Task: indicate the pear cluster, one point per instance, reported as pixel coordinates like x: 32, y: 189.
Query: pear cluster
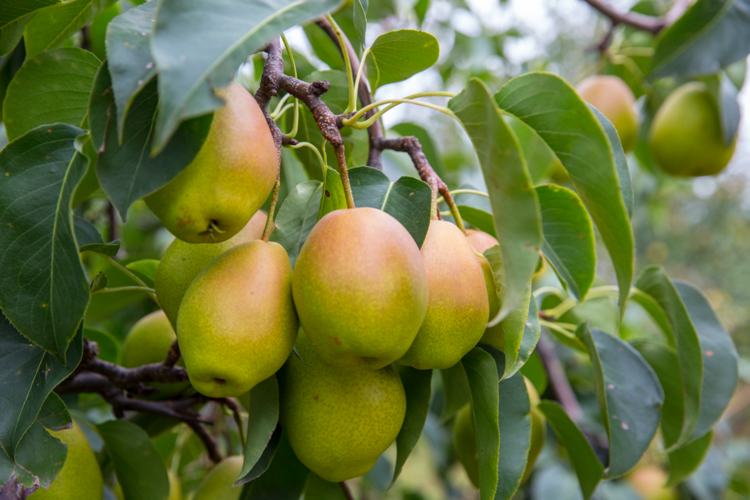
x: 362, y: 299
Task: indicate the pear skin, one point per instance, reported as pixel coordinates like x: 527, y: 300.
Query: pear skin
x: 649, y: 481
x: 80, y: 477
x: 612, y: 96
x: 148, y: 341
x: 229, y: 179
x: 218, y: 483
x: 458, y: 305
x: 482, y: 241
x: 360, y: 288
x: 338, y: 421
x: 685, y: 136
x: 237, y: 323
x: 183, y: 261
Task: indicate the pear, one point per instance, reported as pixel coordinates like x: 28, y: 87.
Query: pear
x: 458, y: 305
x: 213, y: 198
x: 237, y: 322
x: 338, y: 421
x: 360, y: 288
x: 218, y: 483
x: 80, y: 477
x: 615, y: 100
x: 481, y: 241
x: 183, y: 261
x: 148, y: 341
x: 685, y: 136
x: 649, y: 481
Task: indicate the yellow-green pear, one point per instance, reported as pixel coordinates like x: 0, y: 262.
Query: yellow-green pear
x: 649, y: 481
x: 183, y: 261
x: 685, y: 136
x: 360, y: 288
x: 80, y: 477
x: 612, y: 96
x: 148, y: 341
x: 465, y: 443
x: 481, y: 241
x: 228, y: 180
x: 458, y: 304
x: 237, y: 323
x: 218, y: 483
x: 338, y: 421
x: 538, y: 430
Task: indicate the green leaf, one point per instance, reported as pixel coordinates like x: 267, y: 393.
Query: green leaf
x: 587, y: 466
x: 297, y: 216
x: 109, y: 347
x: 139, y: 468
x: 552, y: 108
x: 89, y: 239
x: 568, y: 238
x: 145, y: 269
x: 333, y: 197
x: 655, y: 282
x: 43, y: 288
x: 724, y: 93
x: 52, y: 87
x: 284, y: 480
x: 52, y: 26
x: 407, y: 200
x: 13, y: 10
x: 38, y: 459
x: 198, y: 46
x: 515, y: 433
x: 478, y: 219
x: 531, y: 332
x: 418, y: 390
x: 630, y: 398
x: 54, y: 414
x: 318, y: 488
x: 432, y: 154
x: 621, y: 162
x: 27, y: 376
x: 126, y: 171
x: 720, y: 360
x: 540, y: 159
x: 481, y: 372
x: 398, y: 55
x: 11, y: 33
x: 686, y: 460
x: 9, y: 66
x: 512, y: 196
x: 261, y: 466
x: 360, y: 17
x: 323, y: 47
x: 456, y: 389
x: 711, y: 35
x: 131, y: 64
x: 262, y: 419
x: 534, y: 370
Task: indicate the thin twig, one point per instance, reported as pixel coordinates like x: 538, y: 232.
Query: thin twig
x: 173, y: 355
x: 208, y: 441
x: 646, y: 23
x: 558, y: 380
x: 347, y: 492
x: 234, y: 406
x: 268, y: 229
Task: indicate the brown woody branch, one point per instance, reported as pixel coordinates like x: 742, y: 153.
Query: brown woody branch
x: 208, y: 440
x: 646, y: 23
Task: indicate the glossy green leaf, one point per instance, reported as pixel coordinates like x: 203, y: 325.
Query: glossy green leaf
x: 38, y: 459
x: 456, y: 390
x: 263, y: 415
x: 13, y: 10
x: 686, y: 460
x: 131, y: 64
x: 397, y: 55
x: 540, y: 159
x: 630, y: 398
x: 296, y: 217
x: 531, y: 332
x: 89, y: 239
x: 323, y: 47
x: 54, y: 414
x: 720, y: 360
x: 360, y: 17
x: 552, y: 108
x: 27, y: 376
x: 512, y: 196
x: 418, y: 390
x: 587, y: 466
x: 127, y: 172
x: 478, y: 219
x: 52, y: 26
x: 9, y: 66
x: 52, y: 87
x: 198, y: 46
x: 144, y: 269
x: 431, y: 152
x: 261, y: 466
x: 318, y: 488
x: 481, y: 372
x: 11, y: 33
x: 534, y: 370
x: 43, y: 288
x: 285, y: 478
x: 711, y: 35
x: 568, y: 238
x: 333, y: 197
x: 621, y: 162
x: 407, y: 200
x: 515, y: 435
x: 139, y: 468
x: 655, y: 282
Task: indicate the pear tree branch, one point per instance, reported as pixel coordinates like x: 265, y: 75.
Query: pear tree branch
x: 646, y: 23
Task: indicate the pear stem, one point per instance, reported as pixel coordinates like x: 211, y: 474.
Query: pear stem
x: 272, y: 209
x: 344, y: 173
x: 454, y: 210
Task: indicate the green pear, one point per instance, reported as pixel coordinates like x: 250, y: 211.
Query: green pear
x: 183, y: 261
x: 458, y: 305
x: 148, y: 341
x: 649, y: 481
x: 218, y: 483
x: 237, y: 322
x: 228, y: 180
x: 80, y: 477
x: 338, y: 421
x: 685, y: 136
x: 360, y: 288
x: 615, y: 100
